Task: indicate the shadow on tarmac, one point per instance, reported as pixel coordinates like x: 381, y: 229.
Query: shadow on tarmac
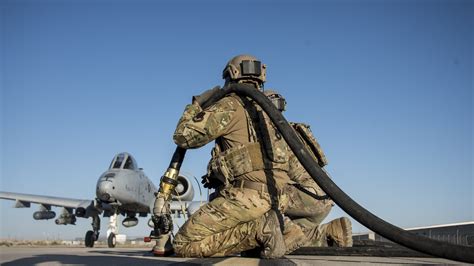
x: 84, y: 260
x: 133, y: 258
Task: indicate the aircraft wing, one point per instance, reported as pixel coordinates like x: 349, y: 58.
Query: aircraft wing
x: 24, y: 200
x: 188, y: 207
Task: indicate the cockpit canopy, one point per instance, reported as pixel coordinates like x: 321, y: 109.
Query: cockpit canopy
x: 124, y: 161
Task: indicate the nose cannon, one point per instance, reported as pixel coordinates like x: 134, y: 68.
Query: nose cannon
x: 105, y: 190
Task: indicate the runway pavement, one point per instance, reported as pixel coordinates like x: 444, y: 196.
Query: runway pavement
x: 141, y: 256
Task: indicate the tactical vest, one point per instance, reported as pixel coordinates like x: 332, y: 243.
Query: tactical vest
x: 307, y: 138
x: 266, y: 150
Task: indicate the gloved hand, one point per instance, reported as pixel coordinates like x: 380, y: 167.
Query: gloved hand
x: 208, y: 182
x: 162, y: 224
x: 160, y: 206
x: 161, y: 217
x: 203, y: 97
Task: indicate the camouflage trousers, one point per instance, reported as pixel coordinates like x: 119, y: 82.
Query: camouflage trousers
x: 226, y: 225
x: 308, y: 212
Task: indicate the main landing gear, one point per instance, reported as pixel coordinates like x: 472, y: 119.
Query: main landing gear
x: 93, y: 235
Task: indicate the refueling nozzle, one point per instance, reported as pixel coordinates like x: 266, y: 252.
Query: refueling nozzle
x: 161, y: 211
x: 162, y: 222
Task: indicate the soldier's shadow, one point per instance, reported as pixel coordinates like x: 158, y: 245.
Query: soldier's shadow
x: 230, y: 260
x: 57, y: 259
x: 118, y: 257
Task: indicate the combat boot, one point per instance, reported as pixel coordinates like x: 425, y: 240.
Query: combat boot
x: 315, y: 236
x: 163, y: 247
x: 270, y: 237
x: 339, y: 232
x: 293, y: 236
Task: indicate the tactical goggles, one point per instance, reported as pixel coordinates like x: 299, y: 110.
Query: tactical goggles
x: 251, y: 68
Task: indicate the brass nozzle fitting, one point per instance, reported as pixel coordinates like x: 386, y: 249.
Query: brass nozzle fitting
x: 168, y: 182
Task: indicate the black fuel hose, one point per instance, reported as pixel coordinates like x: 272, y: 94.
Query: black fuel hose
x: 356, y: 211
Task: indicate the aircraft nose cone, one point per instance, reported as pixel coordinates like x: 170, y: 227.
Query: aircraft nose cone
x: 105, y: 196
x: 104, y: 191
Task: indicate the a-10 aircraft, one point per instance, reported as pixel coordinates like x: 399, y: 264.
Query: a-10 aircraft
x: 122, y: 189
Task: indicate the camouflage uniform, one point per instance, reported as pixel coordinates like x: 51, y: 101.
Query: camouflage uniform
x: 304, y: 210
x: 309, y: 211
x: 252, y: 161
x: 230, y: 222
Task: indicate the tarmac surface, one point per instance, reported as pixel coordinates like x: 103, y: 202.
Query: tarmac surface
x: 142, y: 256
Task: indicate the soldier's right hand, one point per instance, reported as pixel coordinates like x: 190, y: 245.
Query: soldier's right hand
x: 159, y: 207
x: 162, y: 224
x: 208, y: 182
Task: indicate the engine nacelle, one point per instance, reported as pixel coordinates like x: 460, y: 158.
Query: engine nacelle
x: 184, y: 189
x: 44, y: 215
x: 130, y: 222
x: 70, y: 219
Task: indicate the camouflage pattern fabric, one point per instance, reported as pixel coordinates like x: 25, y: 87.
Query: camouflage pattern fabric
x: 227, y: 123
x: 228, y: 224
x: 304, y: 210
x: 196, y: 127
x: 308, y: 213
x: 224, y: 226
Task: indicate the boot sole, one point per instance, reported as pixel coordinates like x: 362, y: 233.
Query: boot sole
x: 163, y: 253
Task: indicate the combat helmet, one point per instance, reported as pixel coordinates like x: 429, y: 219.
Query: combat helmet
x: 245, y: 67
x: 276, y: 98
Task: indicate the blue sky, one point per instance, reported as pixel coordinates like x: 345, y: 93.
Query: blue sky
x: 386, y: 86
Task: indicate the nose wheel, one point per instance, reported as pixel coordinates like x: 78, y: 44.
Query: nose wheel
x: 112, y: 230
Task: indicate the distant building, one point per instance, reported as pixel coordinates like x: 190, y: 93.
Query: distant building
x: 457, y: 233
x: 121, y: 239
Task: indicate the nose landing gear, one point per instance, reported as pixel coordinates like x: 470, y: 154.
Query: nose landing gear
x: 112, y: 230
